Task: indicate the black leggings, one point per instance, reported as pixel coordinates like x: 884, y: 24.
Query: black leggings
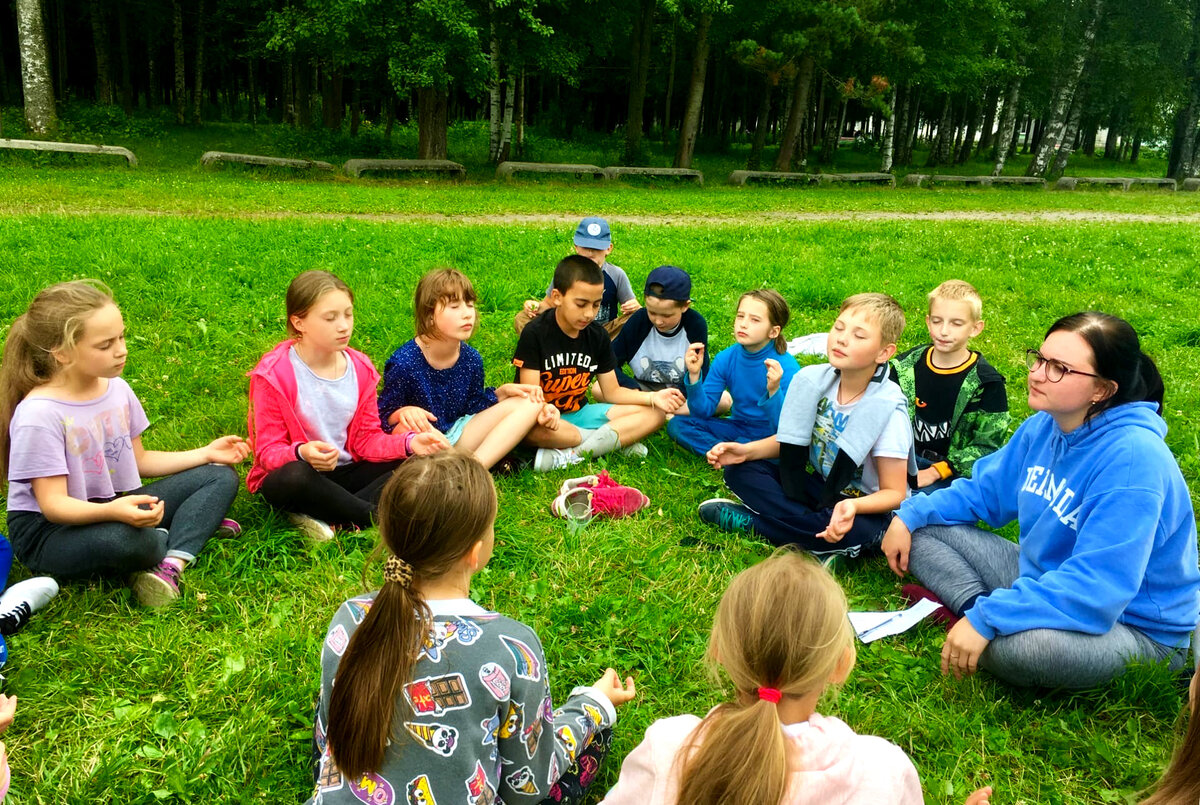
x: 345, y: 495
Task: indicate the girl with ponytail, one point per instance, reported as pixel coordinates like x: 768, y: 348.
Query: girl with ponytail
x: 782, y: 637
x: 425, y: 694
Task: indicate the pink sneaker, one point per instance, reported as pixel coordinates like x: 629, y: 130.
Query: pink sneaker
x: 228, y: 529
x: 582, y: 499
x: 158, y: 586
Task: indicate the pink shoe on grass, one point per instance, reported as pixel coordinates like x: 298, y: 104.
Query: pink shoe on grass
x: 581, y: 499
x: 228, y: 529
x: 158, y: 586
x: 912, y: 593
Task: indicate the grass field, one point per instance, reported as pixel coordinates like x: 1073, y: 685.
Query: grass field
x: 211, y: 700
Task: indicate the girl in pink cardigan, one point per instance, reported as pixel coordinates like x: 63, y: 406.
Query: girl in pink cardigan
x: 782, y: 636
x: 319, y: 452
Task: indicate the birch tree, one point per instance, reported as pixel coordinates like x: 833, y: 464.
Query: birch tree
x: 40, y: 116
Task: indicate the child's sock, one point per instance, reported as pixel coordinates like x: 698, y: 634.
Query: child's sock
x: 600, y: 442
x: 177, y: 561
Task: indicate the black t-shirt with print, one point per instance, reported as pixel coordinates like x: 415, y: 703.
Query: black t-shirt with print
x: 936, y: 395
x: 565, y: 365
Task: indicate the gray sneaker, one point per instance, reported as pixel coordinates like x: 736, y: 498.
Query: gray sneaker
x: 548, y: 459
x: 635, y: 450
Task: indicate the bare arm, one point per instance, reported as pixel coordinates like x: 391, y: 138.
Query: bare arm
x: 59, y: 507
x: 159, y: 463
x: 666, y: 400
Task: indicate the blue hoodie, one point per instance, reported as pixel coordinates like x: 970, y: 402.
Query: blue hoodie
x: 1107, y: 529
x: 744, y: 374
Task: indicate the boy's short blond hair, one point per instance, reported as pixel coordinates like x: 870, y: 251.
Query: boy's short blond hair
x: 884, y: 309
x: 959, y: 291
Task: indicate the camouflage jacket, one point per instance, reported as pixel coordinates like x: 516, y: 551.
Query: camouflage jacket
x: 980, y: 422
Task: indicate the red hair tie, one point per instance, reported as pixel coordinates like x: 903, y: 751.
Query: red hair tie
x: 772, y: 695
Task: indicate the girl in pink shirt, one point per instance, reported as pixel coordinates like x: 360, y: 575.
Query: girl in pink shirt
x: 782, y: 636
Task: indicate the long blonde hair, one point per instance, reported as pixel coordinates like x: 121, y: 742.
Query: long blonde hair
x: 52, y: 323
x: 1180, y: 783
x: 431, y: 512
x: 781, y: 624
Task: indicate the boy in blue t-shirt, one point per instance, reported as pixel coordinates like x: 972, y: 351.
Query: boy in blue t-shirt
x: 593, y: 240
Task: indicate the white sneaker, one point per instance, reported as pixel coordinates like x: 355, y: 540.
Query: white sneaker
x: 311, y: 528
x: 548, y: 459
x: 22, y: 600
x: 635, y: 450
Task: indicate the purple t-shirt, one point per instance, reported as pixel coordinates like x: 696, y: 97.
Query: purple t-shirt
x: 89, y: 442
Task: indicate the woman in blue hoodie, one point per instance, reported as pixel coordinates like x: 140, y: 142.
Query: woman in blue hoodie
x: 1106, y: 570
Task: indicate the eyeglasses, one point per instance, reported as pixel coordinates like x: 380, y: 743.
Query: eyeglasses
x: 1055, y: 370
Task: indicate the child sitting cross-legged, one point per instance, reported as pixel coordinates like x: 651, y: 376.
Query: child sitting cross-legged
x: 782, y: 637
x: 436, y: 698
x: 436, y: 381
x: 561, y: 351
x: 844, y: 445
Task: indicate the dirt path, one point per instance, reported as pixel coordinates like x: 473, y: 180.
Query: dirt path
x: 733, y: 219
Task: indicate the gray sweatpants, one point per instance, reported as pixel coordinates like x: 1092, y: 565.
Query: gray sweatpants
x: 960, y: 562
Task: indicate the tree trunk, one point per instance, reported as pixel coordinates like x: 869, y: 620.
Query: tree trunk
x: 988, y: 130
x: 180, y: 64
x: 1137, y: 147
x: 691, y: 114
x: 1110, y: 137
x: 797, y: 113
x: 1056, y: 124
x: 252, y: 91
x: 389, y: 115
x: 495, y: 90
x: 974, y: 120
x: 60, y: 36
x: 1068, y: 142
x: 1006, y: 134
x: 760, y: 127
x: 889, y: 135
x: 333, y: 106
x: 1088, y: 138
x: 198, y: 75
x: 506, y: 123
x: 833, y: 135
x: 104, y: 89
x: 666, y: 124
x: 40, y: 116
x: 639, y: 74
x: 938, y: 149
x: 355, y: 106
x: 126, y: 68
x: 304, y: 89
x: 432, y: 105
x: 1182, y: 152
x: 520, y: 114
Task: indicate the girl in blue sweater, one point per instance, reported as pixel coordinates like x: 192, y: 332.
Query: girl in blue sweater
x: 755, y: 371
x: 1106, y: 569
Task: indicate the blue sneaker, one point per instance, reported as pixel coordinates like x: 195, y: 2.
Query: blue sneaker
x: 727, y: 515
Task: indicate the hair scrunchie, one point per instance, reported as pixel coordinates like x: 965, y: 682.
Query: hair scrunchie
x: 772, y: 695
x: 398, y: 571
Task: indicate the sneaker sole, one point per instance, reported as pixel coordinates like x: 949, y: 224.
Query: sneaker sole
x: 151, y: 591
x: 312, y: 529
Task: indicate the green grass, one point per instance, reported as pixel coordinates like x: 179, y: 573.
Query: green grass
x: 211, y: 699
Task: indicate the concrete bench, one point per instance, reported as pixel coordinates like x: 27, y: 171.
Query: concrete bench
x: 507, y: 170
x: 71, y: 148
x: 1125, y: 183
x: 684, y: 174
x: 357, y: 167
x: 218, y: 157
x: 758, y: 177
x: 1190, y: 186
x: 929, y: 180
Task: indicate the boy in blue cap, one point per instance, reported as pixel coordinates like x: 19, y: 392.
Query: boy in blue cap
x: 593, y: 240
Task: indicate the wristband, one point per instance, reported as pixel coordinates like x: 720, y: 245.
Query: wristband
x: 408, y: 437
x: 943, y: 469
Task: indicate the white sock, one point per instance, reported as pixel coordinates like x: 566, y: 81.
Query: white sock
x: 600, y: 442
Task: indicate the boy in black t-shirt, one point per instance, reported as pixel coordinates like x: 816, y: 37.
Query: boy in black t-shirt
x: 561, y: 351
x: 956, y: 399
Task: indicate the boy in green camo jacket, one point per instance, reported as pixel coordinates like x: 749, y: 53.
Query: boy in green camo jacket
x: 956, y: 399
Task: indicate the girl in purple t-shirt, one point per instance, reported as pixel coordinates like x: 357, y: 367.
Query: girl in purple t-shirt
x: 71, y: 446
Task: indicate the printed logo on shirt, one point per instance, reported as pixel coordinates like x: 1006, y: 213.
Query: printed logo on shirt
x: 465, y: 632
x: 528, y: 665
x: 419, y: 792
x: 435, y: 695
x: 437, y: 738
x: 107, y: 432
x: 479, y: 790
x: 566, y: 388
x: 522, y: 780
x: 373, y: 790
x: 1042, y: 482
x: 495, y: 680
x: 513, y: 721
x: 338, y: 640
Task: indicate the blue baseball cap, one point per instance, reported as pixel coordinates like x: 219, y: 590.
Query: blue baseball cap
x: 593, y: 233
x: 675, y: 282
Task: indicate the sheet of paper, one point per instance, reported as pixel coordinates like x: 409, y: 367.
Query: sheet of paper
x: 874, y: 625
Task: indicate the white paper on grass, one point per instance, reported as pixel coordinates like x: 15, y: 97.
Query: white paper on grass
x: 874, y: 625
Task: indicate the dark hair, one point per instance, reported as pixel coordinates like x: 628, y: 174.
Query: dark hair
x: 306, y: 289
x: 1180, y: 783
x: 431, y: 512
x: 1117, y: 356
x: 576, y: 268
x: 442, y: 286
x: 777, y: 312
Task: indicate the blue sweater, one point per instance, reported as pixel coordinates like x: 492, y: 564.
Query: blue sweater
x: 742, y: 372
x: 1107, y: 529
x: 448, y: 394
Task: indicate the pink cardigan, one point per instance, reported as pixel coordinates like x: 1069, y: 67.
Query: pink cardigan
x: 832, y: 765
x: 276, y: 430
